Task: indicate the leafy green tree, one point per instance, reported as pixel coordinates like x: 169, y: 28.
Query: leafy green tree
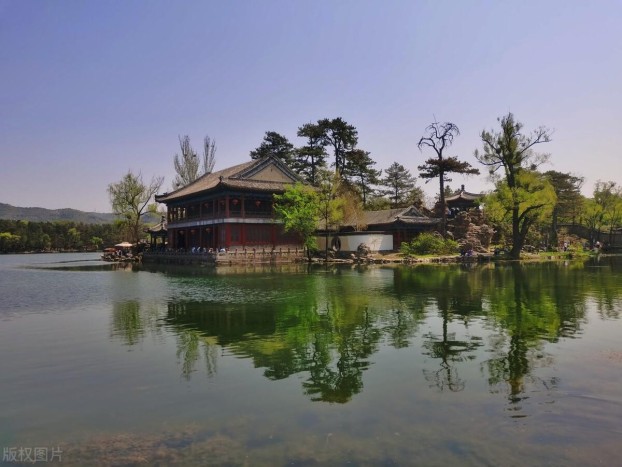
x: 352, y: 208
x: 274, y: 144
x: 532, y: 200
x: 399, y: 184
x: 449, y: 191
x: 45, y: 242
x: 9, y: 242
x: 331, y: 202
x: 513, y: 151
x: 96, y: 242
x: 439, y: 137
x: 359, y: 172
x: 415, y: 197
x: 311, y: 157
x: 342, y: 137
x: 377, y: 202
x: 608, y: 195
x: 569, y: 199
x: 592, y: 216
x: 74, y: 238
x: 130, y: 199
x: 299, y: 209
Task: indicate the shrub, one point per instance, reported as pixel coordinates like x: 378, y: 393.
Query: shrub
x: 430, y: 244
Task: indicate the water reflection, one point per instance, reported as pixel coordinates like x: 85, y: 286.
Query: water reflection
x: 132, y: 320
x: 328, y: 326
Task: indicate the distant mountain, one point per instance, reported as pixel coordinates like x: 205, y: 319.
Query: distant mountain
x: 50, y: 215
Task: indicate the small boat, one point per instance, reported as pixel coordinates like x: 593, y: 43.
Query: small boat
x: 119, y: 254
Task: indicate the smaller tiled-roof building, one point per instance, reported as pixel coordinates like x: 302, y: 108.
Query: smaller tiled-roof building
x: 230, y: 208
x: 402, y: 223
x: 462, y: 201
x: 158, y: 234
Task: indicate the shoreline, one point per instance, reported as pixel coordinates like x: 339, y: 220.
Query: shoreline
x: 298, y: 257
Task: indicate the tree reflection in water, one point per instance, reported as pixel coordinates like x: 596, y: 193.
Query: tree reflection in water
x: 329, y: 325
x: 132, y: 320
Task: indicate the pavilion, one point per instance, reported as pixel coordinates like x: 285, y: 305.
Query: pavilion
x: 230, y: 208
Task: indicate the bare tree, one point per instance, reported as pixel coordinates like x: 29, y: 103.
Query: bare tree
x: 187, y: 164
x: 440, y: 136
x: 209, y: 154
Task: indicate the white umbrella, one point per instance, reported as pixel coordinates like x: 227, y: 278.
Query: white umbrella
x: 124, y: 245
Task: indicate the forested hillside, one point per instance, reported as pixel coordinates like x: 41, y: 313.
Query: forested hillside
x: 20, y: 236
x: 50, y: 215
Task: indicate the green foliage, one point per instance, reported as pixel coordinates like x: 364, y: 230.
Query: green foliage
x: 359, y: 172
x: 399, y: 184
x: 52, y: 215
x: 21, y: 236
x: 96, y: 242
x: 276, y: 145
x: 532, y: 199
x: 430, y: 244
x: 130, y: 199
x: 299, y: 209
x: 342, y: 136
x: 439, y: 137
x: 74, y: 237
x: 378, y: 203
x: 331, y: 199
x: 516, y: 194
x: 608, y: 195
x: 9, y: 243
x: 310, y: 158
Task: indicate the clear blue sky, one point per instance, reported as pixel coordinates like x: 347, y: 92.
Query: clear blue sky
x: 90, y: 89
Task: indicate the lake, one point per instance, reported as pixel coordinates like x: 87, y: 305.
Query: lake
x: 492, y: 364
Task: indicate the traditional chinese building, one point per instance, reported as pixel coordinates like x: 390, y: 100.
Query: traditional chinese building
x: 158, y: 235
x: 462, y: 201
x: 384, y: 230
x: 231, y: 208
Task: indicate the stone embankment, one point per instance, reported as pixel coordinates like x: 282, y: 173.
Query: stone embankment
x: 229, y: 257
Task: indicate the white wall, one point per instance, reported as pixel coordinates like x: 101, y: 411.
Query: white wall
x: 351, y: 241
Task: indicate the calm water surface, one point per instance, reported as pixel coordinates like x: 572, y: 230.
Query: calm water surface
x: 429, y: 365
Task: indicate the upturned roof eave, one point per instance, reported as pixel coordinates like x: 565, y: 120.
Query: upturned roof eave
x: 223, y: 185
x: 234, y: 173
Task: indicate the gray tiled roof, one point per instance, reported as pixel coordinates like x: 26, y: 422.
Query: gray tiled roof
x: 409, y: 215
x: 232, y: 177
x: 465, y: 195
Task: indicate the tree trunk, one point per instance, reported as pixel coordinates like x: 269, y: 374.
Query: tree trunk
x: 443, y: 206
x: 517, y: 242
x: 554, y: 227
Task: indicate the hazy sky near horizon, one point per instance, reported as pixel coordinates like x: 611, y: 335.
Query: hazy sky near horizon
x: 90, y: 89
